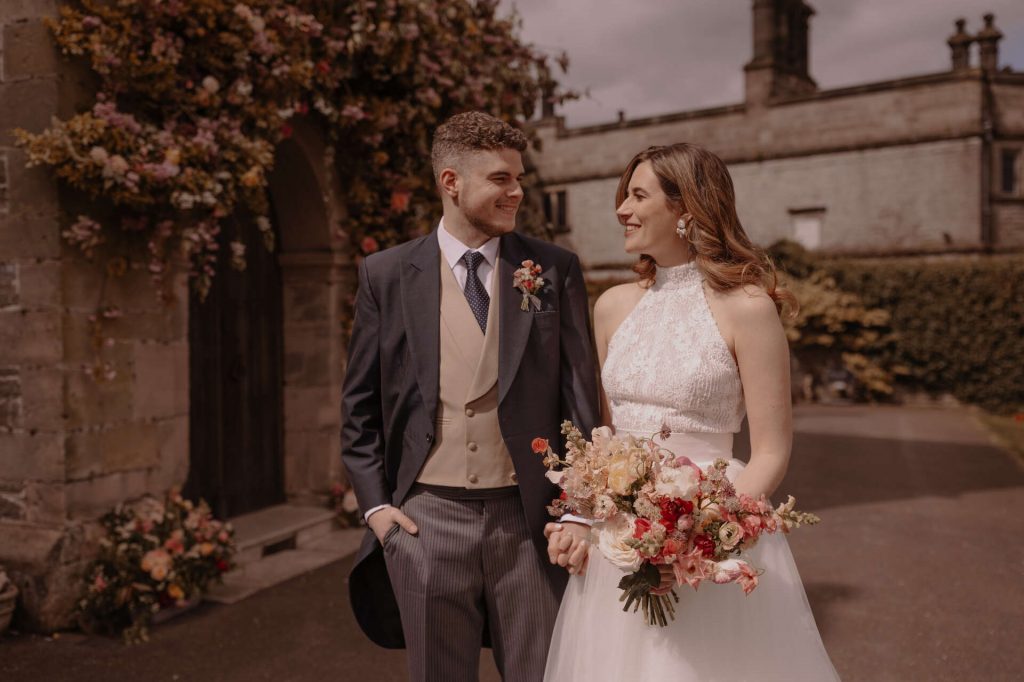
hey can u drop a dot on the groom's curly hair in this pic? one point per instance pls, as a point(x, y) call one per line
point(469, 132)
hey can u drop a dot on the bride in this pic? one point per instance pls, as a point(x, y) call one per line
point(693, 345)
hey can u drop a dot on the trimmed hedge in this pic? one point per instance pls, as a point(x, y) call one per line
point(948, 324)
point(959, 321)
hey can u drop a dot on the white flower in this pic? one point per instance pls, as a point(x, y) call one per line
point(211, 85)
point(677, 483)
point(611, 540)
point(730, 534)
point(727, 571)
point(99, 155)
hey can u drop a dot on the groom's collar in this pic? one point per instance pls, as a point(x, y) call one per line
point(453, 249)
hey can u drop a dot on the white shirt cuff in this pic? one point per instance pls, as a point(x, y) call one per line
point(576, 519)
point(374, 510)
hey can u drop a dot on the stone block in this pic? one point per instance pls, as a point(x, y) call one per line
point(27, 545)
point(28, 456)
point(12, 501)
point(312, 407)
point(5, 204)
point(29, 50)
point(39, 283)
point(93, 402)
point(45, 503)
point(29, 237)
point(91, 497)
point(9, 297)
point(121, 448)
point(160, 382)
point(13, 10)
point(308, 459)
point(306, 302)
point(81, 280)
point(26, 104)
point(31, 336)
point(172, 439)
point(308, 368)
point(10, 398)
point(42, 398)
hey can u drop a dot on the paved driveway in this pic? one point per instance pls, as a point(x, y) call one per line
point(916, 574)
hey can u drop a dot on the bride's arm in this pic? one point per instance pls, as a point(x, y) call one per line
point(601, 338)
point(762, 354)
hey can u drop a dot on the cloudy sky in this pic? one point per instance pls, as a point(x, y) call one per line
point(652, 57)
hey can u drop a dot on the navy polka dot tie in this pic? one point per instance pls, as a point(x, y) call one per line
point(477, 296)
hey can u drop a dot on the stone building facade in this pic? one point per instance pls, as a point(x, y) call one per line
point(72, 447)
point(925, 164)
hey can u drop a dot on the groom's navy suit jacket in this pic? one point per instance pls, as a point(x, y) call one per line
point(546, 374)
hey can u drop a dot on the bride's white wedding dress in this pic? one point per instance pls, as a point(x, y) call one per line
point(668, 364)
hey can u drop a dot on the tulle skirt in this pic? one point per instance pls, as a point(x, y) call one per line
point(719, 633)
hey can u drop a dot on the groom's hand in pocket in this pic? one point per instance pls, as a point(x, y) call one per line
point(568, 545)
point(380, 522)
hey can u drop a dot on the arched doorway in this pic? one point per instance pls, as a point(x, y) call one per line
point(235, 365)
point(267, 347)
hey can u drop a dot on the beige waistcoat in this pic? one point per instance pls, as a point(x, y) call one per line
point(468, 451)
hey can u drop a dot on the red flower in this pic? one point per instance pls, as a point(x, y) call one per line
point(539, 445)
point(286, 130)
point(222, 565)
point(369, 245)
point(641, 527)
point(323, 67)
point(400, 200)
point(705, 544)
point(672, 509)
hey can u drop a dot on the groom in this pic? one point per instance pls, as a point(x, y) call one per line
point(453, 371)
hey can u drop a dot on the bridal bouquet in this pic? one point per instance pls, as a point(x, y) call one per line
point(653, 508)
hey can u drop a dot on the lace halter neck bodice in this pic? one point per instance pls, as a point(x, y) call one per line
point(667, 363)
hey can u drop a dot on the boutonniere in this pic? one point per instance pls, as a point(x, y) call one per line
point(528, 280)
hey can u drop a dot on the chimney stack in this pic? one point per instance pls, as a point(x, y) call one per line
point(960, 46)
point(988, 42)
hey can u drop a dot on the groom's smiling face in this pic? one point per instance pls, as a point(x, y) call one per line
point(490, 190)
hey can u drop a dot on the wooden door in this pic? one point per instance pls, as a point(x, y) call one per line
point(235, 359)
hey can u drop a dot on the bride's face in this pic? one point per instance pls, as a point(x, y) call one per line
point(649, 220)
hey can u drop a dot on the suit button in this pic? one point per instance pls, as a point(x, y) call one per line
point(470, 412)
point(472, 446)
point(473, 478)
point(514, 478)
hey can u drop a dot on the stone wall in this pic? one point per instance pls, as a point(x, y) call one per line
point(70, 446)
point(924, 196)
point(893, 166)
point(889, 114)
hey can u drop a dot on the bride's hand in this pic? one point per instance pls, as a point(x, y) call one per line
point(568, 545)
point(668, 580)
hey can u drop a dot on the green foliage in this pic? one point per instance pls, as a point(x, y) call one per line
point(195, 95)
point(959, 321)
point(834, 327)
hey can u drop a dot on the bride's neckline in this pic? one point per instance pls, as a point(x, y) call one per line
point(677, 276)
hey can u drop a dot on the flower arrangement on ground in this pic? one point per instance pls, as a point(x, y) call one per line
point(653, 508)
point(155, 555)
point(345, 505)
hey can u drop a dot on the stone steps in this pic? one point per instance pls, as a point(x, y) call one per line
point(279, 543)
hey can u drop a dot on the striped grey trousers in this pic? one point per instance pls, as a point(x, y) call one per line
point(471, 564)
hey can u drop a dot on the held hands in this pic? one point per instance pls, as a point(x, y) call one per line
point(568, 545)
point(380, 522)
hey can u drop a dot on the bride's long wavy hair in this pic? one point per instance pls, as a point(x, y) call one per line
point(698, 182)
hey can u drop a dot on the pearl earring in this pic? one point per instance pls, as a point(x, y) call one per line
point(681, 228)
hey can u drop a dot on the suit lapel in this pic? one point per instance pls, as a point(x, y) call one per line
point(421, 310)
point(514, 330)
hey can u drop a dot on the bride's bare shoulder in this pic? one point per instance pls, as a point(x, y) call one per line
point(617, 301)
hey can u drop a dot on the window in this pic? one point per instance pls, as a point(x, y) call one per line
point(1009, 180)
point(556, 211)
point(807, 225)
